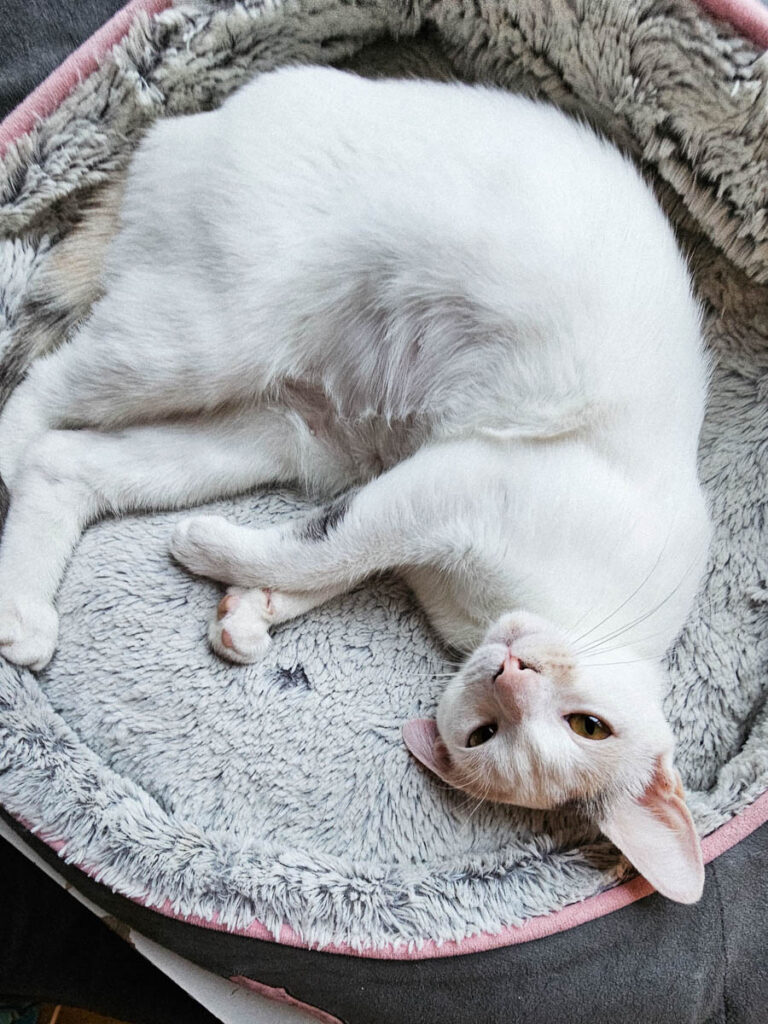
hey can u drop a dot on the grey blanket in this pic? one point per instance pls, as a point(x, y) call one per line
point(282, 791)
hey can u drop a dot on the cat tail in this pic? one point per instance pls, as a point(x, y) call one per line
point(61, 294)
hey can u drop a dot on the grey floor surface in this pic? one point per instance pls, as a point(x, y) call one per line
point(37, 35)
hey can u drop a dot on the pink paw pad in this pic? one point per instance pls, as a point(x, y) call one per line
point(227, 604)
point(239, 630)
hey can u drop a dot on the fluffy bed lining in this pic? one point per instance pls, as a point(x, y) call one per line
point(281, 793)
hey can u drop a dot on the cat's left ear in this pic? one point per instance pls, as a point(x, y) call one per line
point(423, 740)
point(656, 833)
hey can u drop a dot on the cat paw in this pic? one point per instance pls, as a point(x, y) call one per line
point(239, 631)
point(29, 629)
point(203, 544)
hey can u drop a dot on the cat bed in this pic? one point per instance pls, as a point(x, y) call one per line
point(267, 821)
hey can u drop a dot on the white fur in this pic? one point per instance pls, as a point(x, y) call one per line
point(458, 301)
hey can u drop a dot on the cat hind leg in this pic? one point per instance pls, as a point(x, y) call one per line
point(122, 369)
point(398, 520)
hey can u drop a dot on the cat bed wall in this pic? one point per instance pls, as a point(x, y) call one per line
point(275, 804)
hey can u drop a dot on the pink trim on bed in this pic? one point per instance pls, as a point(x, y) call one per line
point(748, 17)
point(722, 839)
point(713, 845)
point(739, 827)
point(78, 66)
point(281, 996)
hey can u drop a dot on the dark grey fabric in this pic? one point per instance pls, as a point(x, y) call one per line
point(655, 962)
point(54, 950)
point(741, 883)
point(37, 35)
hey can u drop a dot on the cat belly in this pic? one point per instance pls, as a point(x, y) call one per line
point(357, 264)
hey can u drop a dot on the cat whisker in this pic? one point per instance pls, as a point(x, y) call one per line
point(615, 634)
point(620, 647)
point(479, 800)
point(634, 593)
point(585, 614)
point(600, 649)
point(469, 802)
point(609, 664)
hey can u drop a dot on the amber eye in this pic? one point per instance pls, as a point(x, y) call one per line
point(482, 735)
point(588, 726)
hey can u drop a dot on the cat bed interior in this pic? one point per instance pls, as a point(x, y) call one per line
point(277, 800)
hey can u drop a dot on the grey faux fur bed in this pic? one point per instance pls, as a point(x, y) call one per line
point(282, 791)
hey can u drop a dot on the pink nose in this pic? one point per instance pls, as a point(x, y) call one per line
point(513, 679)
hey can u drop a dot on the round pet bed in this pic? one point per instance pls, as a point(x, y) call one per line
point(267, 821)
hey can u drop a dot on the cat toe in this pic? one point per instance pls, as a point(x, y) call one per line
point(239, 631)
point(242, 648)
point(29, 629)
point(227, 604)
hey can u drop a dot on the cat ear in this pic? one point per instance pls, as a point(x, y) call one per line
point(656, 833)
point(423, 740)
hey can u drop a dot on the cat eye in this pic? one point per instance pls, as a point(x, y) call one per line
point(482, 735)
point(588, 726)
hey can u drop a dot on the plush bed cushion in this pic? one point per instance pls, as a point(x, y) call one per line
point(278, 799)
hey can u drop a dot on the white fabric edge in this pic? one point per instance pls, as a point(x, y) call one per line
point(227, 1001)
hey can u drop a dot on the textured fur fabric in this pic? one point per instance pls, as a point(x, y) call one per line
point(282, 791)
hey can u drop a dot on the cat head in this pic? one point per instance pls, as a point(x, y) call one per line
point(525, 722)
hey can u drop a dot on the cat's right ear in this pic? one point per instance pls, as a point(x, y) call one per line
point(423, 740)
point(655, 831)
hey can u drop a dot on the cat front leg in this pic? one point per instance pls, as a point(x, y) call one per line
point(302, 555)
point(421, 512)
point(239, 630)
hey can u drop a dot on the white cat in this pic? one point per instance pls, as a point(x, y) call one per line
point(465, 313)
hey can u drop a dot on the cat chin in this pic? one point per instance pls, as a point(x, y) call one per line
point(513, 626)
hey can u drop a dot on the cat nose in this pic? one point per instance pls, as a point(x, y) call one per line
point(512, 679)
